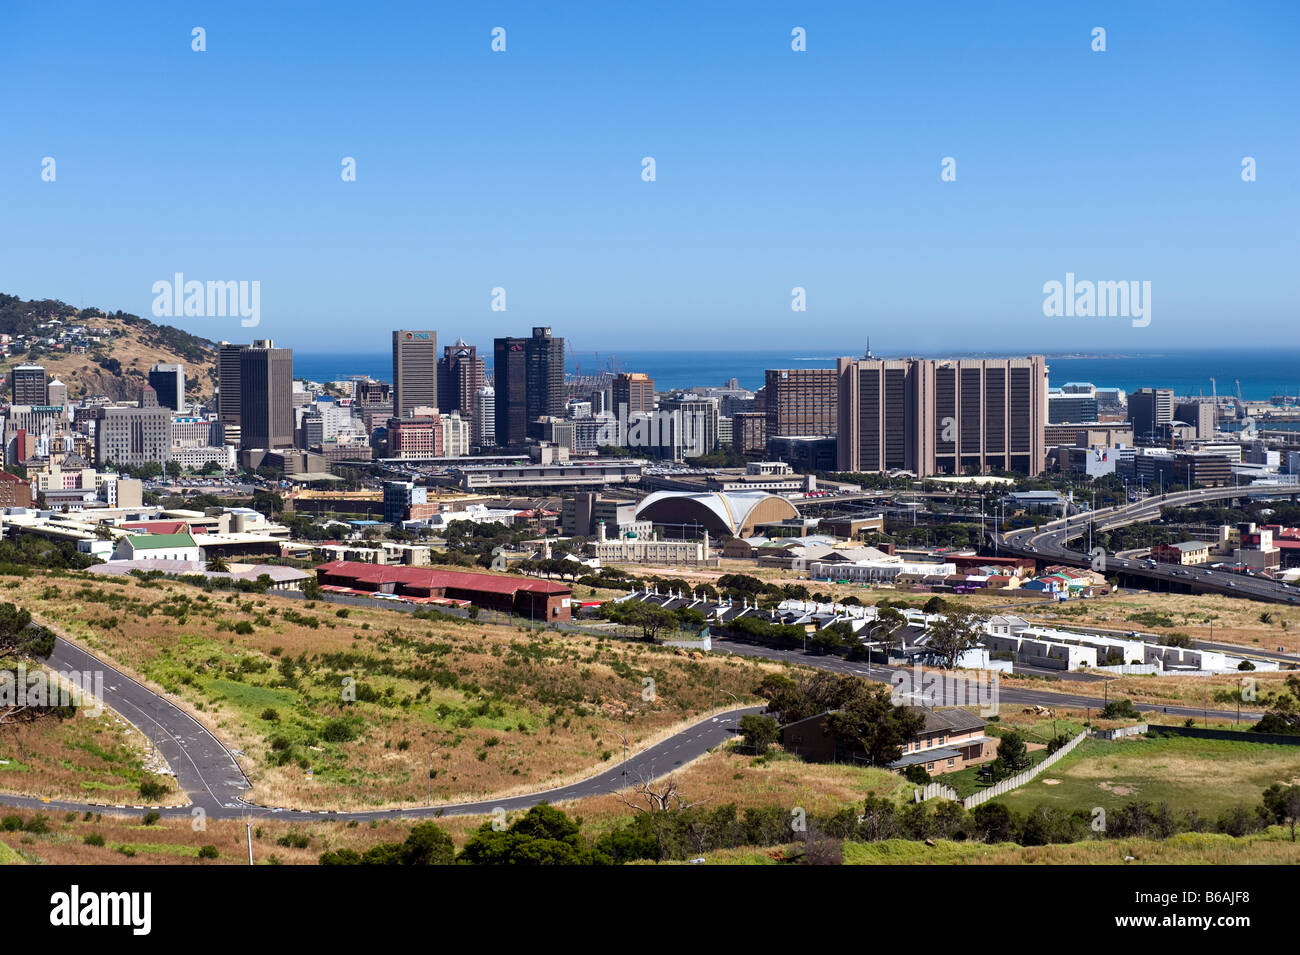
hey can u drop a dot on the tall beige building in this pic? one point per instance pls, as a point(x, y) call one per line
point(942, 416)
point(415, 371)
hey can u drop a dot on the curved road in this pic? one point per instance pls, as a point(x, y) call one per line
point(1051, 543)
point(209, 774)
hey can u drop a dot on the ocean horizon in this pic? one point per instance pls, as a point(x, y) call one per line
point(1262, 373)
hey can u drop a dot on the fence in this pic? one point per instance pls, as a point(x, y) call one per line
point(933, 791)
point(1120, 733)
point(970, 802)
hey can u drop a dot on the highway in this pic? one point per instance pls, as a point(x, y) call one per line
point(1050, 544)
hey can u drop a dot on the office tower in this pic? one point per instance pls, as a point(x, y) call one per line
point(544, 394)
point(266, 396)
point(129, 437)
point(29, 385)
point(1149, 410)
point(460, 374)
point(509, 377)
point(415, 371)
point(688, 426)
point(1201, 415)
point(228, 360)
point(932, 417)
point(485, 417)
point(633, 394)
point(749, 432)
point(801, 401)
point(168, 380)
point(367, 391)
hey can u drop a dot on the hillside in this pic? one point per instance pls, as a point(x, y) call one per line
point(62, 338)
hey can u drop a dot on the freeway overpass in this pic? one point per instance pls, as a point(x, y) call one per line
point(1050, 543)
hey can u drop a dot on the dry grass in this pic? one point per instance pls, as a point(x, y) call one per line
point(495, 709)
point(90, 759)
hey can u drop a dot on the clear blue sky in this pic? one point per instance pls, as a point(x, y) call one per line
point(775, 169)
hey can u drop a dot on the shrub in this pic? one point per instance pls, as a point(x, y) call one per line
point(152, 789)
point(93, 839)
point(151, 817)
point(338, 731)
point(208, 852)
point(270, 714)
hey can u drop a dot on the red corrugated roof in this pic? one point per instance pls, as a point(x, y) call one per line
point(441, 579)
point(158, 527)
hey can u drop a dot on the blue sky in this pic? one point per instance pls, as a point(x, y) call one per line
point(775, 169)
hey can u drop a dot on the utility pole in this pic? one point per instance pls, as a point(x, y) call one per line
point(249, 827)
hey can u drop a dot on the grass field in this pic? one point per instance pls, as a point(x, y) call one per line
point(372, 702)
point(1205, 775)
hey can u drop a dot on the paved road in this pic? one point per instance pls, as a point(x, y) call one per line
point(207, 771)
point(1050, 542)
point(211, 777)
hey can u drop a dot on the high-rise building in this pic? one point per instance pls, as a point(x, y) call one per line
point(168, 380)
point(1073, 403)
point(951, 416)
point(801, 401)
point(688, 426)
point(266, 396)
point(29, 385)
point(228, 363)
point(132, 436)
point(415, 371)
point(460, 374)
point(634, 393)
point(544, 394)
point(509, 379)
point(485, 417)
point(1149, 410)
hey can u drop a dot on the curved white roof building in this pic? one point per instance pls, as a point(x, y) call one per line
point(720, 513)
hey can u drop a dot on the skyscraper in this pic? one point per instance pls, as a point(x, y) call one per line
point(228, 363)
point(266, 396)
point(528, 378)
point(945, 416)
point(415, 371)
point(29, 385)
point(509, 379)
point(460, 375)
point(544, 390)
point(168, 380)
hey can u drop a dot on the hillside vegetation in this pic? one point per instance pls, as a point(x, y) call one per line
point(117, 365)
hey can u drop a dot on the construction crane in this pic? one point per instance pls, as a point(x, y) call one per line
point(1241, 405)
point(1214, 391)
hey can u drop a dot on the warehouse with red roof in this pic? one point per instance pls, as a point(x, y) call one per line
point(536, 599)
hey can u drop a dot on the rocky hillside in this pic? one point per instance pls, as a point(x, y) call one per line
point(100, 353)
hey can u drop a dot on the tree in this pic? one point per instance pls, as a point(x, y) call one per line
point(542, 836)
point(1013, 756)
point(957, 631)
point(217, 565)
point(174, 469)
point(19, 637)
point(426, 845)
point(1283, 804)
point(759, 731)
point(871, 724)
point(889, 621)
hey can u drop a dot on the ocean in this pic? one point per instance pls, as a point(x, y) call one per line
point(1262, 373)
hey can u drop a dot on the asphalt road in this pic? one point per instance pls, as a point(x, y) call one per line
point(1051, 543)
point(207, 771)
